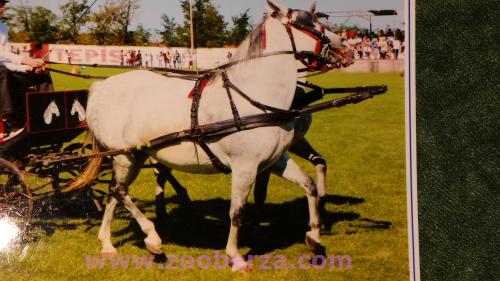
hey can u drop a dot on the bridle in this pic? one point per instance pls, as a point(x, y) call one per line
point(317, 59)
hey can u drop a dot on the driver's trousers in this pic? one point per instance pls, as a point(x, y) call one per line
point(14, 84)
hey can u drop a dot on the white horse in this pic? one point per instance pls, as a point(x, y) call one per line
point(50, 111)
point(77, 108)
point(300, 145)
point(130, 109)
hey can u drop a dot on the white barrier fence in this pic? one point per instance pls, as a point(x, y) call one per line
point(116, 55)
point(381, 66)
point(205, 57)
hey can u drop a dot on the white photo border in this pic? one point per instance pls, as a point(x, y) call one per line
point(411, 144)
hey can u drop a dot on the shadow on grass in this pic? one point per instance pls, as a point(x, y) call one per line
point(205, 223)
point(56, 211)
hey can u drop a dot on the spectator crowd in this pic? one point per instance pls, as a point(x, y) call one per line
point(382, 45)
point(166, 59)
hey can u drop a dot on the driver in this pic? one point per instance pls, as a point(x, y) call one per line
point(17, 73)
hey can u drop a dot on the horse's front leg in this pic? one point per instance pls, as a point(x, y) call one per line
point(243, 175)
point(288, 169)
point(260, 193)
point(303, 149)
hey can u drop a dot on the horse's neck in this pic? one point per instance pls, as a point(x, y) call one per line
point(275, 74)
point(300, 75)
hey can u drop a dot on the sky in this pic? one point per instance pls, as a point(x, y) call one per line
point(150, 11)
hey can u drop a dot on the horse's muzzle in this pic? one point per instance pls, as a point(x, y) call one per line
point(341, 57)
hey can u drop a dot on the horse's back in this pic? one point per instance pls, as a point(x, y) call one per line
point(131, 108)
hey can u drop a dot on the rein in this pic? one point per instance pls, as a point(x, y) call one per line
point(298, 55)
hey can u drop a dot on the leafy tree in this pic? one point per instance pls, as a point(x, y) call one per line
point(42, 27)
point(209, 26)
point(241, 28)
point(169, 31)
point(73, 18)
point(140, 37)
point(103, 28)
point(127, 9)
point(18, 19)
point(111, 23)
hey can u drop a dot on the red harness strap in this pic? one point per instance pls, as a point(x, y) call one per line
point(317, 49)
point(1, 130)
point(202, 86)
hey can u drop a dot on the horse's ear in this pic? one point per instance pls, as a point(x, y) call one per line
point(312, 10)
point(274, 7)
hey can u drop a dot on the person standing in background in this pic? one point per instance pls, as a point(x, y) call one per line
point(68, 54)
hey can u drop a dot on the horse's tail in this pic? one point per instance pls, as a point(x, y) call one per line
point(91, 171)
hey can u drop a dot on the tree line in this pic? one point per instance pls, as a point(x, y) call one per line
point(110, 24)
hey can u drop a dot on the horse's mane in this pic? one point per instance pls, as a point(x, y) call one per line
point(253, 45)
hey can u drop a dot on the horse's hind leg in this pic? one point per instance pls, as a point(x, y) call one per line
point(105, 231)
point(126, 168)
point(288, 169)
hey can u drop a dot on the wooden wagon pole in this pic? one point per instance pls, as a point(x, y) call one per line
point(191, 28)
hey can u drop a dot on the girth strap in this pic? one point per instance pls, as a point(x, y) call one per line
point(214, 159)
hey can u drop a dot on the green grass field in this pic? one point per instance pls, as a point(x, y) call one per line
point(366, 217)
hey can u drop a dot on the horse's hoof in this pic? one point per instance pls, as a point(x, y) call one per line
point(109, 254)
point(155, 249)
point(315, 246)
point(240, 266)
point(243, 269)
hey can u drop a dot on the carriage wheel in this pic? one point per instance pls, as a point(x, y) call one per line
point(16, 202)
point(97, 196)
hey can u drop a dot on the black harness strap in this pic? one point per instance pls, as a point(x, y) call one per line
point(84, 76)
point(236, 115)
point(196, 135)
point(255, 103)
point(213, 158)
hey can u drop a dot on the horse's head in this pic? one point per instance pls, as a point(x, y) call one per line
point(340, 54)
point(51, 109)
point(313, 44)
point(78, 108)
